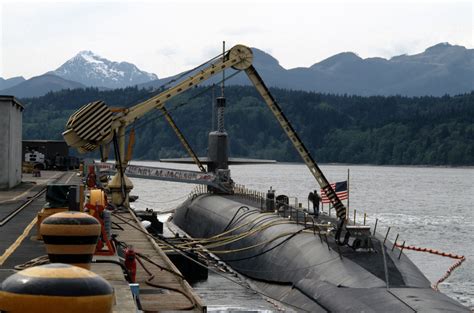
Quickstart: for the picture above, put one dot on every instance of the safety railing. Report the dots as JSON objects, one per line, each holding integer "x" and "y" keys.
{"x": 301, "y": 216}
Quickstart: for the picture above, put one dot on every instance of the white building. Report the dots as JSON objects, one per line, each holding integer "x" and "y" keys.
{"x": 10, "y": 142}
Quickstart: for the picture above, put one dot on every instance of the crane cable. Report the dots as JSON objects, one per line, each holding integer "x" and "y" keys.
{"x": 145, "y": 121}
{"x": 185, "y": 73}
{"x": 460, "y": 259}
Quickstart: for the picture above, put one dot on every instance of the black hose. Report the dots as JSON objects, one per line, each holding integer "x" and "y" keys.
{"x": 235, "y": 214}
{"x": 270, "y": 249}
{"x": 150, "y": 282}
{"x": 124, "y": 268}
{"x": 118, "y": 226}
{"x": 146, "y": 258}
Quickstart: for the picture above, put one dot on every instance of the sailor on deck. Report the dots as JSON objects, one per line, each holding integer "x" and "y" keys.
{"x": 315, "y": 198}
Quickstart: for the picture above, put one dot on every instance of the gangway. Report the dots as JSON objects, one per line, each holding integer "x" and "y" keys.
{"x": 165, "y": 174}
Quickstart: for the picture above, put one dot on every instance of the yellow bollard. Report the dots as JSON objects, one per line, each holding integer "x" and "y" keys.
{"x": 56, "y": 288}
{"x": 71, "y": 237}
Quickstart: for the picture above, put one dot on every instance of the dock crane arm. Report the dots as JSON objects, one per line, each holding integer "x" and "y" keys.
{"x": 94, "y": 124}
{"x": 296, "y": 141}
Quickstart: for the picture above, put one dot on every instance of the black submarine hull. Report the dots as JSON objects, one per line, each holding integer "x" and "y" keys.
{"x": 307, "y": 270}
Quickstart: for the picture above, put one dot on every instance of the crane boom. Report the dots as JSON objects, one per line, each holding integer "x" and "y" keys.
{"x": 238, "y": 57}
{"x": 86, "y": 130}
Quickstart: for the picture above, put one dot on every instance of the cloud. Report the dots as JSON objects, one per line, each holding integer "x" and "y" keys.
{"x": 241, "y": 31}
{"x": 400, "y": 47}
{"x": 167, "y": 51}
{"x": 297, "y": 33}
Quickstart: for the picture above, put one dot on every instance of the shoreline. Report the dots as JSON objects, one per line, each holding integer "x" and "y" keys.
{"x": 352, "y": 164}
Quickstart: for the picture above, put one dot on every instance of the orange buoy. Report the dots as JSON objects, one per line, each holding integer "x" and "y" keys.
{"x": 70, "y": 237}
{"x": 56, "y": 288}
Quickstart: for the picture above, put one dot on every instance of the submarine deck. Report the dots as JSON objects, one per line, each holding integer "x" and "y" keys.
{"x": 18, "y": 210}
{"x": 335, "y": 278}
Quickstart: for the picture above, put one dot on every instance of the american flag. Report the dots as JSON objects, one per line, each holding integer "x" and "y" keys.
{"x": 341, "y": 191}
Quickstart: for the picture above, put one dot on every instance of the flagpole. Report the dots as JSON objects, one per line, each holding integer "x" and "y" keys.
{"x": 348, "y": 192}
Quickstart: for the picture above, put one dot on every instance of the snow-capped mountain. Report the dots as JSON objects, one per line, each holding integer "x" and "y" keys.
{"x": 92, "y": 70}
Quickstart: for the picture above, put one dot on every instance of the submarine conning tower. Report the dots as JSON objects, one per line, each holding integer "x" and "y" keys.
{"x": 218, "y": 151}
{"x": 218, "y": 147}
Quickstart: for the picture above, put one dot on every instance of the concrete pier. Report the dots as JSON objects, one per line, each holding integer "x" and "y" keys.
{"x": 18, "y": 245}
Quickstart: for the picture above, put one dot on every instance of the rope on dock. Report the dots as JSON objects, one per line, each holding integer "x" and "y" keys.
{"x": 460, "y": 259}
{"x": 44, "y": 259}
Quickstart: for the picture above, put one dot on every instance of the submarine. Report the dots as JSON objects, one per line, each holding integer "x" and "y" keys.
{"x": 309, "y": 262}
{"x": 309, "y": 270}
{"x": 296, "y": 257}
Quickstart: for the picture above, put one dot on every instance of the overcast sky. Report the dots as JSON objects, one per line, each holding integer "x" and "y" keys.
{"x": 167, "y": 37}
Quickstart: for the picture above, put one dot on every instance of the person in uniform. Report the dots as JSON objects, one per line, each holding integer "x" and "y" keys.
{"x": 315, "y": 199}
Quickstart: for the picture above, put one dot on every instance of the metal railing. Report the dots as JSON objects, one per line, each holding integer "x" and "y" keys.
{"x": 300, "y": 215}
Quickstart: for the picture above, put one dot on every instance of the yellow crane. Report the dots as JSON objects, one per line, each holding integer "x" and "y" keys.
{"x": 94, "y": 124}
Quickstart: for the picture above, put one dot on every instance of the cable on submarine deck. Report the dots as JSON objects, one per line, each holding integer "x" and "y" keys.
{"x": 269, "y": 249}
{"x": 178, "y": 250}
{"x": 234, "y": 238}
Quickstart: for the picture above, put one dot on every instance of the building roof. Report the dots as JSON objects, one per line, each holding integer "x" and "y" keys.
{"x": 12, "y": 99}
{"x": 42, "y": 140}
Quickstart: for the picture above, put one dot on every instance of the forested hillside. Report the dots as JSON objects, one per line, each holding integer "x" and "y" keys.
{"x": 336, "y": 128}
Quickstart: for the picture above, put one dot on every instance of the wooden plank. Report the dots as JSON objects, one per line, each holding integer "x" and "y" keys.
{"x": 171, "y": 291}
{"x": 124, "y": 301}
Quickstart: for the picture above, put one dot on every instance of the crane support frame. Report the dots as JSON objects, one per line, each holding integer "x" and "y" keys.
{"x": 182, "y": 139}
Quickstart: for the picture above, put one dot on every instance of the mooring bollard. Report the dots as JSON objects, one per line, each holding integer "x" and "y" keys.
{"x": 56, "y": 288}
{"x": 71, "y": 237}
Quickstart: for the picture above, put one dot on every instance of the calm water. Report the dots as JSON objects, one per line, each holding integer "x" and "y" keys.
{"x": 429, "y": 207}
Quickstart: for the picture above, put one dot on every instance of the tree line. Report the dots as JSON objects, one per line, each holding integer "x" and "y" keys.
{"x": 336, "y": 128}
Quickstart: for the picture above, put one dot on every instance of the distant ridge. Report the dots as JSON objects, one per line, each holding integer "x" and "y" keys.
{"x": 10, "y": 82}
{"x": 440, "y": 69}
{"x": 40, "y": 85}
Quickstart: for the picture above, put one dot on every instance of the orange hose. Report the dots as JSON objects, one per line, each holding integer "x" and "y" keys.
{"x": 460, "y": 260}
